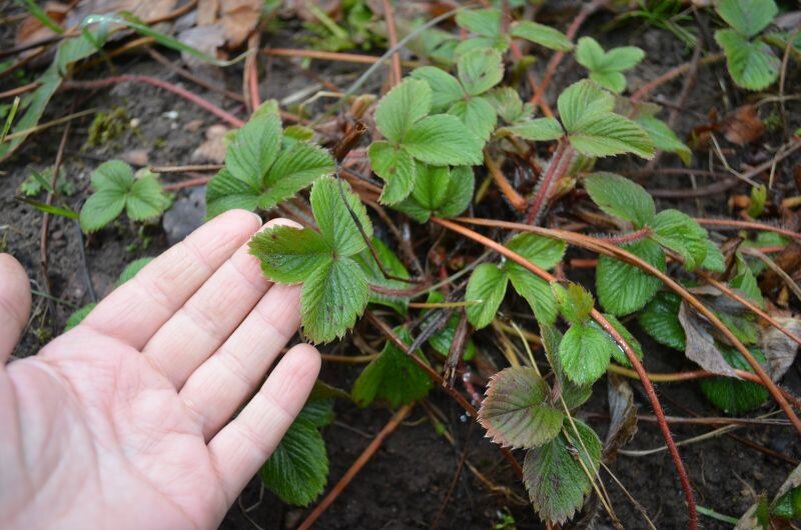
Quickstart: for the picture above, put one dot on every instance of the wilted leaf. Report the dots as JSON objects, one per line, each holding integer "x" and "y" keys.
{"x": 700, "y": 345}
{"x": 622, "y": 416}
{"x": 779, "y": 349}
{"x": 515, "y": 412}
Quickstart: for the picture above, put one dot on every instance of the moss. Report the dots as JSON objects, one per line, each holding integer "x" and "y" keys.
{"x": 107, "y": 126}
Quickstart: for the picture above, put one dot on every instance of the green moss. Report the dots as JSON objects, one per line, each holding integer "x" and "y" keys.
{"x": 107, "y": 126}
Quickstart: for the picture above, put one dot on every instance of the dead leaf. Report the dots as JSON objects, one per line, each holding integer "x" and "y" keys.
{"x": 239, "y": 18}
{"x": 743, "y": 126}
{"x": 788, "y": 260}
{"x": 779, "y": 349}
{"x": 623, "y": 416}
{"x": 31, "y": 30}
{"x": 207, "y": 39}
{"x": 207, "y": 12}
{"x": 213, "y": 149}
{"x": 149, "y": 10}
{"x": 701, "y": 348}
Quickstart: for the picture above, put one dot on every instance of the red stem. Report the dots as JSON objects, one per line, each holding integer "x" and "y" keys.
{"x": 552, "y": 174}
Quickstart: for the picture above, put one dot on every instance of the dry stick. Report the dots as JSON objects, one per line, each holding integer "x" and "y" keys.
{"x": 357, "y": 466}
{"x": 603, "y": 248}
{"x": 746, "y": 225}
{"x": 251, "y": 73}
{"x": 189, "y": 183}
{"x": 186, "y": 74}
{"x": 517, "y": 201}
{"x": 571, "y": 32}
{"x": 19, "y": 90}
{"x": 392, "y": 34}
{"x": 599, "y": 318}
{"x": 185, "y": 169}
{"x": 319, "y": 54}
{"x": 434, "y": 376}
{"x": 114, "y": 80}
{"x": 672, "y": 74}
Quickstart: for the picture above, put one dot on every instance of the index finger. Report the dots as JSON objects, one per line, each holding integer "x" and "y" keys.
{"x": 135, "y": 311}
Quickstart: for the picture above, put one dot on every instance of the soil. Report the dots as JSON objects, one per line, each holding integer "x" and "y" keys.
{"x": 416, "y": 477}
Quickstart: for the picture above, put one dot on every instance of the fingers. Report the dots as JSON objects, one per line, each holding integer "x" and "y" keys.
{"x": 135, "y": 311}
{"x": 242, "y": 447}
{"x": 15, "y": 304}
{"x": 217, "y": 389}
{"x": 209, "y": 317}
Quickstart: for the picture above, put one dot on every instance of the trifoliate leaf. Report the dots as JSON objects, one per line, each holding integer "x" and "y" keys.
{"x": 254, "y": 149}
{"x": 397, "y": 167}
{"x": 575, "y": 303}
{"x": 515, "y": 411}
{"x": 477, "y": 114}
{"x": 297, "y": 471}
{"x": 335, "y": 219}
{"x": 617, "y": 353}
{"x": 432, "y": 185}
{"x": 679, "y": 232}
{"x": 556, "y": 481}
{"x": 582, "y": 101}
{"x": 290, "y": 255}
{"x": 543, "y": 35}
{"x": 733, "y": 396}
{"x": 606, "y": 67}
{"x": 294, "y": 169}
{"x": 747, "y": 17}
{"x": 537, "y": 130}
{"x": 752, "y": 64}
{"x": 391, "y": 377}
{"x": 480, "y": 70}
{"x": 585, "y": 351}
{"x": 333, "y": 296}
{"x": 486, "y": 287}
{"x": 624, "y": 288}
{"x": 620, "y": 197}
{"x": 610, "y": 134}
{"x": 442, "y": 140}
{"x": 660, "y": 319}
{"x": 445, "y": 89}
{"x": 401, "y": 107}
{"x": 460, "y": 192}
{"x": 663, "y": 137}
{"x": 393, "y": 266}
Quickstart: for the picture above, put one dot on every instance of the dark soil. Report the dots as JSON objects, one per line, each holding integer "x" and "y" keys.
{"x": 417, "y": 476}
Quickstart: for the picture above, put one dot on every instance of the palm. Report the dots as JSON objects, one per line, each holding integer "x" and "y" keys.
{"x": 125, "y": 422}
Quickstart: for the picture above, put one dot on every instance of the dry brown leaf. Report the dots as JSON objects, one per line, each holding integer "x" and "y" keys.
{"x": 701, "y": 347}
{"x": 788, "y": 260}
{"x": 207, "y": 39}
{"x": 213, "y": 149}
{"x": 239, "y": 18}
{"x": 207, "y": 12}
{"x": 148, "y": 10}
{"x": 623, "y": 416}
{"x": 779, "y": 349}
{"x": 31, "y": 30}
{"x": 743, "y": 126}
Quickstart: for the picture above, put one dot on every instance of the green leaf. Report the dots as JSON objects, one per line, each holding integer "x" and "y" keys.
{"x": 254, "y": 149}
{"x": 679, "y": 232}
{"x": 486, "y": 22}
{"x": 590, "y": 54}
{"x": 146, "y": 199}
{"x": 553, "y": 474}
{"x": 432, "y": 185}
{"x": 624, "y": 288}
{"x": 401, "y": 107}
{"x": 535, "y": 290}
{"x": 295, "y": 169}
{"x": 445, "y": 89}
{"x": 100, "y": 209}
{"x": 752, "y": 64}
{"x": 584, "y": 352}
{"x": 319, "y": 410}
{"x": 605, "y": 67}
{"x": 507, "y": 103}
{"x": 623, "y": 58}
{"x": 442, "y": 140}
{"x": 477, "y": 114}
{"x": 333, "y": 296}
{"x": 78, "y": 315}
{"x": 660, "y": 319}
{"x": 575, "y": 303}
{"x": 297, "y": 471}
{"x": 714, "y": 260}
{"x": 487, "y": 287}
{"x": 334, "y": 218}
{"x": 131, "y": 270}
{"x": 747, "y": 17}
{"x": 620, "y": 197}
{"x": 663, "y": 137}
{"x": 581, "y": 101}
{"x": 543, "y": 35}
{"x": 480, "y": 70}
{"x": 460, "y": 192}
{"x": 226, "y": 192}
{"x": 391, "y": 264}
{"x": 397, "y": 167}
{"x": 290, "y": 255}
{"x": 515, "y": 411}
{"x": 733, "y": 396}
{"x": 617, "y": 353}
{"x": 610, "y": 134}
{"x": 537, "y": 130}
{"x": 391, "y": 377}
{"x": 610, "y": 80}
{"x": 544, "y": 252}
{"x": 442, "y": 340}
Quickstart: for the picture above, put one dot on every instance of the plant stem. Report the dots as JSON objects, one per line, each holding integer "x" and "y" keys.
{"x": 392, "y": 37}
{"x": 628, "y": 238}
{"x": 633, "y": 359}
{"x": 357, "y": 466}
{"x": 554, "y": 172}
{"x": 746, "y": 225}
{"x": 517, "y": 201}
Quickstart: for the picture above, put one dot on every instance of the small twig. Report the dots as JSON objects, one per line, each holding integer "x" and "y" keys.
{"x": 357, "y": 466}
{"x": 251, "y": 73}
{"x": 672, "y": 74}
{"x": 746, "y": 225}
{"x": 324, "y": 55}
{"x": 186, "y": 168}
{"x": 392, "y": 34}
{"x": 189, "y": 183}
{"x": 186, "y": 74}
{"x": 517, "y": 201}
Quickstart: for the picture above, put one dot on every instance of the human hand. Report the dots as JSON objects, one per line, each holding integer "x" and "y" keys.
{"x": 125, "y": 420}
